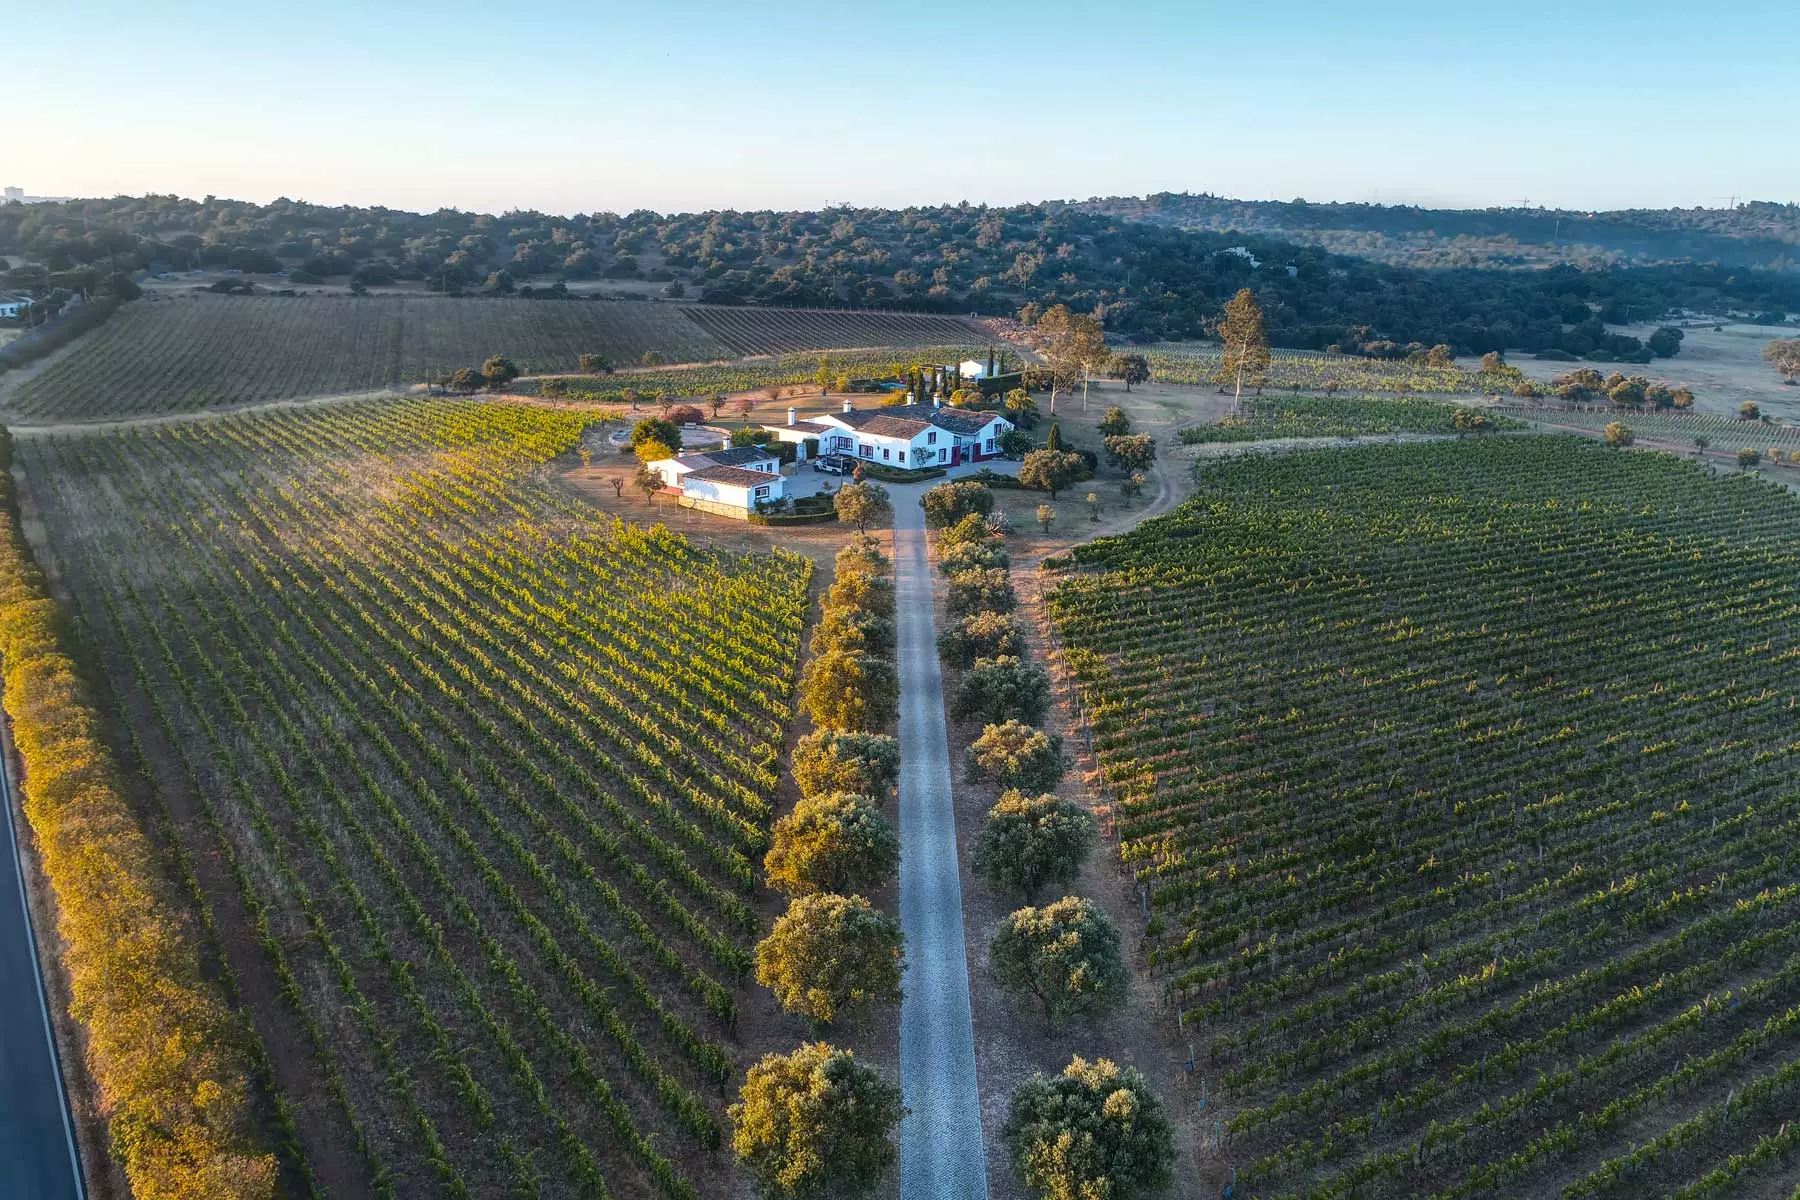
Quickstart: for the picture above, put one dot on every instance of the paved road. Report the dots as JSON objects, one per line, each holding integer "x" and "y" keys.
{"x": 941, "y": 1151}
{"x": 37, "y": 1144}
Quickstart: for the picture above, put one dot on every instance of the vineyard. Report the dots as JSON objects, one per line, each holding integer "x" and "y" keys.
{"x": 484, "y": 777}
{"x": 1302, "y": 370}
{"x": 749, "y": 375}
{"x": 1460, "y": 775}
{"x": 1302, "y": 417}
{"x": 200, "y": 352}
{"x": 1717, "y": 428}
{"x": 751, "y": 331}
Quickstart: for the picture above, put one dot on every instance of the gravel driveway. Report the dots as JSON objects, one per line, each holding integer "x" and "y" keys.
{"x": 941, "y": 1151}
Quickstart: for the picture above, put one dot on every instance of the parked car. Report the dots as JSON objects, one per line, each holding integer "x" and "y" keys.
{"x": 834, "y": 464}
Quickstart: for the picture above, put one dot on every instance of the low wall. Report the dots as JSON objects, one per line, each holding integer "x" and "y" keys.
{"x": 715, "y": 508}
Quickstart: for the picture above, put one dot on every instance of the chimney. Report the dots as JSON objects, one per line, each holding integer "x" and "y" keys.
{"x": 790, "y": 416}
{"x": 847, "y": 407}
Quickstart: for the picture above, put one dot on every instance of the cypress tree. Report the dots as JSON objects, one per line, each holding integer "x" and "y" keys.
{"x": 1054, "y": 440}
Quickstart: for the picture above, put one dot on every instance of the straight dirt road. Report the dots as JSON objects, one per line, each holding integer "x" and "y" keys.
{"x": 941, "y": 1150}
{"x": 37, "y": 1144}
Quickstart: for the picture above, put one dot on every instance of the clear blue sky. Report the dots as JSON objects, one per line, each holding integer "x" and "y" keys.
{"x": 690, "y": 104}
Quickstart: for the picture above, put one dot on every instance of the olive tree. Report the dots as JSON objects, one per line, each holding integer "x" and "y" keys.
{"x": 1015, "y": 755}
{"x": 863, "y": 505}
{"x": 981, "y": 635}
{"x": 830, "y": 954}
{"x": 857, "y": 692}
{"x": 1096, "y": 1130}
{"x": 837, "y": 842}
{"x": 1065, "y": 955}
{"x": 866, "y": 764}
{"x": 948, "y": 503}
{"x": 982, "y": 590}
{"x": 1003, "y": 688}
{"x": 816, "y": 1124}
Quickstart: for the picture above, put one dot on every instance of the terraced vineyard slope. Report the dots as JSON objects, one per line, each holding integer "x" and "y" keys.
{"x": 1462, "y": 778}
{"x": 478, "y": 778}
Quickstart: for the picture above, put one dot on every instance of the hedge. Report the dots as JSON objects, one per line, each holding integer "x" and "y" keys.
{"x": 163, "y": 1046}
{"x": 899, "y": 475}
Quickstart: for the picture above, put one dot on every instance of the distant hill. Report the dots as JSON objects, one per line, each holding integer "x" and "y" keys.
{"x": 1136, "y": 264}
{"x": 1757, "y": 234}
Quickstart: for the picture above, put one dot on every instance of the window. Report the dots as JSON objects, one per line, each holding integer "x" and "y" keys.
{"x": 990, "y": 445}
{"x": 903, "y": 456}
{"x": 944, "y": 454}
{"x": 931, "y": 439}
{"x": 886, "y": 453}
{"x": 762, "y": 493}
{"x": 866, "y": 451}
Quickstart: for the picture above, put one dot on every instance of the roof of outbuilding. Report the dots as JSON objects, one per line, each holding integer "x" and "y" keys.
{"x": 735, "y": 476}
{"x": 802, "y": 426}
{"x": 737, "y": 454}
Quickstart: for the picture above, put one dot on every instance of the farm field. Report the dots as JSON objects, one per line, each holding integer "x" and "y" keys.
{"x": 752, "y": 331}
{"x": 1269, "y": 417}
{"x": 1460, "y": 774}
{"x": 200, "y": 352}
{"x": 477, "y": 776}
{"x": 1305, "y": 370}
{"x": 747, "y": 375}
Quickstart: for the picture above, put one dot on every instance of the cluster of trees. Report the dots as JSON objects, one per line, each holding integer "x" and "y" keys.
{"x": 1755, "y": 234}
{"x": 165, "y": 1051}
{"x": 816, "y": 1122}
{"x": 1093, "y": 1130}
{"x": 1140, "y": 280}
{"x": 1588, "y": 386}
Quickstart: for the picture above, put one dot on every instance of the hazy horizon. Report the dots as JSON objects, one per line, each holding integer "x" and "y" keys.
{"x": 697, "y": 106}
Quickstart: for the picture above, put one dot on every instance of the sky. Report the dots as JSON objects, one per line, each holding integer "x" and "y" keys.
{"x": 682, "y": 105}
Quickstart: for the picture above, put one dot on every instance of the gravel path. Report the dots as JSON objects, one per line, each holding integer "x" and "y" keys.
{"x": 941, "y": 1151}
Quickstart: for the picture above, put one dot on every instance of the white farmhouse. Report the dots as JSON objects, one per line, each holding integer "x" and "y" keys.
{"x": 912, "y": 436}
{"x": 12, "y": 306}
{"x": 798, "y": 433}
{"x": 735, "y": 488}
{"x": 748, "y": 458}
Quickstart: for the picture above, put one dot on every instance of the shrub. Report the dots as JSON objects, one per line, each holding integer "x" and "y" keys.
{"x": 690, "y": 414}
{"x": 981, "y": 635}
{"x": 1094, "y": 1130}
{"x": 830, "y": 954}
{"x": 861, "y": 589}
{"x": 1016, "y": 443}
{"x": 161, "y": 1042}
{"x": 948, "y": 503}
{"x": 1064, "y": 955}
{"x": 853, "y": 692}
{"x": 1115, "y": 423}
{"x": 816, "y": 1124}
{"x": 980, "y": 591}
{"x": 974, "y": 556}
{"x": 832, "y": 843}
{"x": 866, "y": 764}
{"x": 998, "y": 689}
{"x": 1014, "y": 755}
